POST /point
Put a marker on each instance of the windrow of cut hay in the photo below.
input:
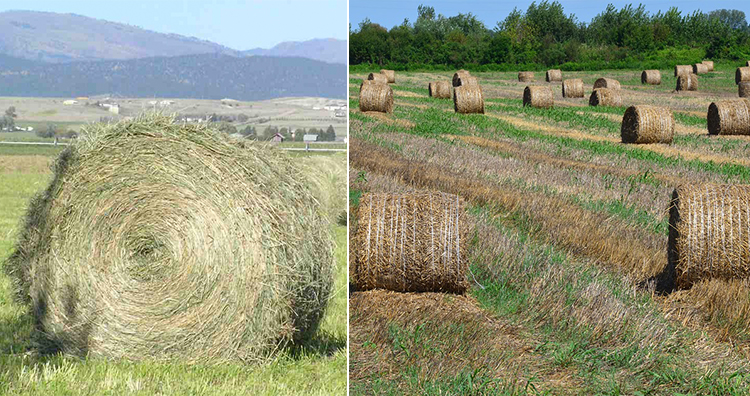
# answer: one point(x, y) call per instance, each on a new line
point(411, 243)
point(525, 76)
point(538, 96)
point(572, 88)
point(376, 97)
point(605, 97)
point(743, 89)
point(709, 231)
point(553, 75)
point(390, 75)
point(647, 124)
point(163, 240)
point(729, 117)
point(709, 64)
point(608, 83)
point(458, 76)
point(700, 68)
point(439, 89)
point(742, 74)
point(378, 77)
point(682, 69)
point(651, 77)
point(468, 99)
point(687, 82)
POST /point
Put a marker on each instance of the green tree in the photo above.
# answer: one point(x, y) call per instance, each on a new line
point(11, 112)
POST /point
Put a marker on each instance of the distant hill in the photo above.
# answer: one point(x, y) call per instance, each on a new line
point(206, 76)
point(326, 50)
point(53, 37)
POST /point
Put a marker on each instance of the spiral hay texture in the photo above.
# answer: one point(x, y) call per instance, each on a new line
point(553, 75)
point(460, 75)
point(651, 77)
point(605, 97)
point(376, 97)
point(608, 83)
point(411, 243)
point(378, 77)
point(647, 124)
point(682, 69)
point(390, 75)
point(742, 74)
point(539, 97)
point(572, 88)
point(525, 76)
point(729, 117)
point(440, 89)
point(709, 64)
point(161, 240)
point(687, 82)
point(743, 89)
point(468, 99)
point(709, 230)
point(700, 68)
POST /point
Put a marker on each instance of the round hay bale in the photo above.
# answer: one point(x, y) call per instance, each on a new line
point(743, 89)
point(466, 80)
point(526, 76)
point(440, 89)
point(742, 74)
point(378, 77)
point(682, 69)
point(709, 64)
point(390, 75)
point(708, 233)
point(605, 97)
point(687, 82)
point(651, 77)
point(539, 97)
point(164, 240)
point(572, 88)
point(729, 117)
point(553, 75)
point(700, 68)
point(468, 99)
point(748, 63)
point(376, 97)
point(608, 83)
point(647, 124)
point(411, 243)
point(457, 76)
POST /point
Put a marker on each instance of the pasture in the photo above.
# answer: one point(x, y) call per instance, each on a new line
point(570, 240)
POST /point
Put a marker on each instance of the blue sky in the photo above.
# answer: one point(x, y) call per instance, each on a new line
point(390, 13)
point(239, 24)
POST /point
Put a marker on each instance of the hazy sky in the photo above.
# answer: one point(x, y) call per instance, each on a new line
point(239, 24)
point(389, 13)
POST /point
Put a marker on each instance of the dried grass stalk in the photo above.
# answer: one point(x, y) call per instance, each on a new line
point(468, 99)
point(163, 240)
point(608, 83)
point(389, 74)
point(538, 96)
point(553, 75)
point(687, 82)
point(651, 77)
point(682, 69)
point(376, 97)
point(411, 242)
point(526, 76)
point(729, 117)
point(647, 124)
point(709, 64)
point(378, 77)
point(742, 74)
point(572, 88)
point(743, 89)
point(440, 89)
point(700, 68)
point(709, 226)
point(605, 97)
point(457, 76)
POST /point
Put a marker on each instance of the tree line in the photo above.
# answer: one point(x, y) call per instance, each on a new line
point(544, 36)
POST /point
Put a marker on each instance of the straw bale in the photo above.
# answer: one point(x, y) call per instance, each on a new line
point(376, 97)
point(572, 88)
point(526, 76)
point(605, 97)
point(743, 89)
point(378, 77)
point(457, 76)
point(466, 80)
point(742, 74)
point(687, 82)
point(682, 69)
point(553, 75)
point(468, 99)
point(709, 230)
point(700, 68)
point(709, 64)
point(411, 243)
point(389, 74)
point(608, 83)
point(440, 89)
point(729, 117)
point(163, 240)
point(651, 77)
point(538, 96)
point(644, 124)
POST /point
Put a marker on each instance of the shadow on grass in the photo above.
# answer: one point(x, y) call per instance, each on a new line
point(322, 343)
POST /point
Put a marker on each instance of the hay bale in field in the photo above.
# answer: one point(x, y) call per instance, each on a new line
point(743, 89)
point(390, 75)
point(647, 124)
point(457, 76)
point(608, 83)
point(163, 240)
point(682, 69)
point(709, 226)
point(742, 74)
point(411, 243)
point(466, 80)
point(526, 76)
point(539, 97)
point(651, 77)
point(700, 68)
point(729, 117)
point(378, 77)
point(440, 89)
point(553, 75)
point(605, 97)
point(709, 64)
point(572, 88)
point(376, 97)
point(687, 82)
point(748, 63)
point(468, 99)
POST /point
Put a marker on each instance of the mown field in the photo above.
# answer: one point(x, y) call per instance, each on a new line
point(569, 242)
point(317, 368)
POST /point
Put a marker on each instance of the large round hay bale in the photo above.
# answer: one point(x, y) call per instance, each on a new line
point(700, 68)
point(742, 74)
point(553, 75)
point(729, 117)
point(457, 76)
point(651, 77)
point(411, 243)
point(378, 77)
point(376, 97)
point(605, 97)
point(608, 83)
point(440, 89)
point(709, 64)
point(468, 99)
point(525, 76)
point(682, 69)
point(390, 75)
point(539, 97)
point(644, 124)
point(748, 63)
point(572, 88)
point(466, 80)
point(743, 89)
point(709, 226)
point(687, 82)
point(164, 240)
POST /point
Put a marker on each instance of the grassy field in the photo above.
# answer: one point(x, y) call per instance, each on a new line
point(318, 368)
point(569, 244)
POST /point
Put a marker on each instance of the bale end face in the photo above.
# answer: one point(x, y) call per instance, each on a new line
point(647, 124)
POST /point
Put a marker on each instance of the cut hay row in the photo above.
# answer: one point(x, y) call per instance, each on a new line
point(687, 82)
point(389, 74)
point(553, 75)
point(647, 124)
point(742, 74)
point(573, 88)
point(525, 76)
point(439, 89)
point(376, 97)
point(651, 77)
point(700, 68)
point(743, 89)
point(682, 69)
point(605, 97)
point(608, 83)
point(378, 77)
point(458, 76)
point(468, 99)
point(538, 96)
point(709, 64)
point(729, 117)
